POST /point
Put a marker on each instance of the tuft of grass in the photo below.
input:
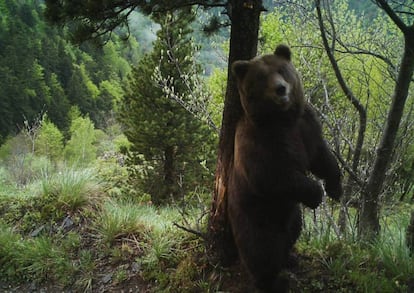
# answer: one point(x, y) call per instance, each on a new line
point(392, 252)
point(118, 220)
point(86, 271)
point(73, 189)
point(43, 260)
point(32, 259)
point(49, 200)
point(8, 265)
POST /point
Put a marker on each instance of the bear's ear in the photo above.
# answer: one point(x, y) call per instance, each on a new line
point(239, 69)
point(283, 51)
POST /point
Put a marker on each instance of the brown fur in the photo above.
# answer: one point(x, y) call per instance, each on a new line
point(277, 141)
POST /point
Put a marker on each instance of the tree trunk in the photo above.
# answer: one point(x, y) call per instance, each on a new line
point(369, 220)
point(169, 189)
point(245, 18)
point(410, 234)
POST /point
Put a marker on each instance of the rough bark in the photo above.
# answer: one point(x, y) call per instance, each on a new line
point(245, 18)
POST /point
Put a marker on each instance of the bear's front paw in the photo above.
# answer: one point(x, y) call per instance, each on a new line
point(314, 196)
point(333, 190)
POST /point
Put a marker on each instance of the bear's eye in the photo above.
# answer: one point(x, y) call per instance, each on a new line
point(261, 75)
point(283, 71)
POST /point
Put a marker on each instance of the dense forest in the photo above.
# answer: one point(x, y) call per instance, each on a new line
point(41, 72)
point(116, 125)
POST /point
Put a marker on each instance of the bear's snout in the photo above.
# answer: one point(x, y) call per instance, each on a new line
point(280, 90)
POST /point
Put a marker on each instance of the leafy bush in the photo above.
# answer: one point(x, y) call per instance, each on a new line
point(80, 149)
point(49, 142)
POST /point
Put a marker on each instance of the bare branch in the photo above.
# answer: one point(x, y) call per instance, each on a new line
point(392, 14)
point(347, 91)
point(348, 169)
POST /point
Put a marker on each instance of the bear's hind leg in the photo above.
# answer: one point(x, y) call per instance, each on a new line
point(266, 260)
point(278, 284)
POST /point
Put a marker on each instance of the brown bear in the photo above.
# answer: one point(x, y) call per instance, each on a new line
point(278, 141)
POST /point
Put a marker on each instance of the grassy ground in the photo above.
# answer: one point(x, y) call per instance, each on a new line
point(71, 232)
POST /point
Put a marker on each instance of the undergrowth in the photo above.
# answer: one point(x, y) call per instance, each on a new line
point(385, 265)
point(65, 230)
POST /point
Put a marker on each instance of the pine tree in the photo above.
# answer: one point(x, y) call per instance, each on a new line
point(169, 137)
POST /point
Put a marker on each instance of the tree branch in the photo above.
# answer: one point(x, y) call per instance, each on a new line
point(349, 170)
point(391, 13)
point(192, 231)
point(347, 91)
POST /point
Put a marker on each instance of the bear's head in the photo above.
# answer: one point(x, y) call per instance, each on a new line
point(270, 87)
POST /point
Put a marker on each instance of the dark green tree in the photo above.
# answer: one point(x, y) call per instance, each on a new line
point(42, 72)
point(172, 141)
point(59, 105)
point(82, 91)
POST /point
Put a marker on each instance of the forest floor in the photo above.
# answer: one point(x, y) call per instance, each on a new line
point(120, 267)
point(109, 245)
point(309, 275)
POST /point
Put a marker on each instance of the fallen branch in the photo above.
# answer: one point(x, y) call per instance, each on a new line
point(192, 231)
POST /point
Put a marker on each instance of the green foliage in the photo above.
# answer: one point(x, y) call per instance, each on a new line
point(59, 104)
point(82, 91)
point(217, 86)
point(111, 91)
point(21, 164)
